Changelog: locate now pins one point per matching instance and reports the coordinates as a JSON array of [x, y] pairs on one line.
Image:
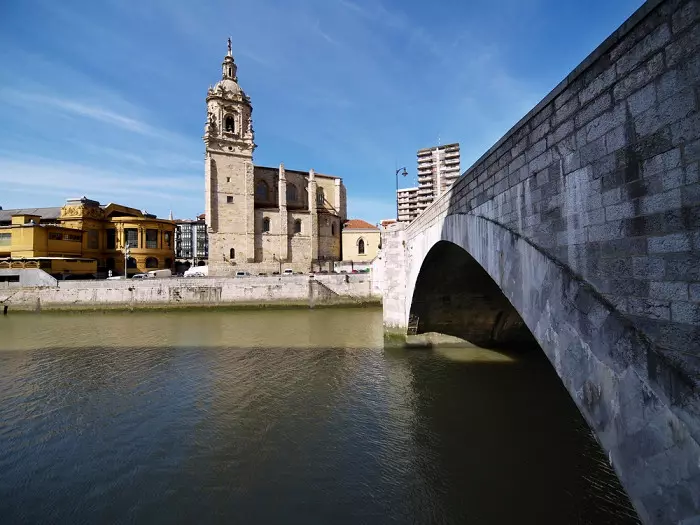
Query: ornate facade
[[262, 219], [85, 229]]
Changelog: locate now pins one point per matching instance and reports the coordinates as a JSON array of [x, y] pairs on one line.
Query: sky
[[106, 98]]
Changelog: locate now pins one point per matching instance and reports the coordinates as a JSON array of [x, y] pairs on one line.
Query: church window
[[229, 199], [320, 197], [361, 246], [262, 192], [228, 179], [266, 224], [232, 254], [151, 262], [333, 229], [292, 194], [229, 124], [297, 226]]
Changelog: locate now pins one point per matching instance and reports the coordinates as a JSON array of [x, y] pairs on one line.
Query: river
[[284, 416]]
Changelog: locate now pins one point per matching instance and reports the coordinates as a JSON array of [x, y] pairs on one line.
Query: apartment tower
[[438, 168]]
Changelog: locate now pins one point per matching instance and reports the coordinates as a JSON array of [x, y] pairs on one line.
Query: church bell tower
[[229, 179]]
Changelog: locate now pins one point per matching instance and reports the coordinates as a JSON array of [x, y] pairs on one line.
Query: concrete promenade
[[295, 290]]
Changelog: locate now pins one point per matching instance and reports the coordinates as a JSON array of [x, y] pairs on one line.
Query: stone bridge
[[579, 232]]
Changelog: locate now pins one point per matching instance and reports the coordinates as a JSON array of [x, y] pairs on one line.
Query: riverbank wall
[[296, 290]]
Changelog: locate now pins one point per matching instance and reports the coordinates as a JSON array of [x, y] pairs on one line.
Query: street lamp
[[397, 189], [127, 252]]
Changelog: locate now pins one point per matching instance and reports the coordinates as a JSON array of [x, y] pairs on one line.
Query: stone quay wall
[[204, 291]]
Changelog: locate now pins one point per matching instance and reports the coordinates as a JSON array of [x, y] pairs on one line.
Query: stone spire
[[228, 66]]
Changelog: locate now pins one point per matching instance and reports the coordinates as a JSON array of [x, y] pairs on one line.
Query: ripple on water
[[210, 416]]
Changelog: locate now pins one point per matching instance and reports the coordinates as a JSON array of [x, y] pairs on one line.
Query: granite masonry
[[586, 217]]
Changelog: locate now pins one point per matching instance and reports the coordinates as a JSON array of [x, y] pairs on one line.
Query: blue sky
[[106, 98]]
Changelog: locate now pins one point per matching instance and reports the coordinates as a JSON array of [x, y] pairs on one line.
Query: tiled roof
[[359, 224], [44, 213]]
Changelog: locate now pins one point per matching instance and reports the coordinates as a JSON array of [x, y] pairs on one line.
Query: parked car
[[262, 273], [288, 271], [139, 276], [241, 273]]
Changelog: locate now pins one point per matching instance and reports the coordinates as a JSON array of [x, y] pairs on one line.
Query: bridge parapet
[[603, 174]]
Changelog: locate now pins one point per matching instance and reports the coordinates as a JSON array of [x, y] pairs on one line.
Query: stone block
[[648, 267], [661, 163], [592, 151], [565, 129], [598, 85], [516, 163], [602, 124], [670, 290], [650, 308], [673, 179], [673, 243], [611, 197], [641, 100], [616, 212], [691, 173], [593, 109], [660, 202], [690, 195], [605, 232], [685, 16], [650, 44], [639, 77], [695, 292], [535, 150], [685, 312], [682, 267], [539, 132], [683, 47], [616, 139], [564, 111], [685, 130]]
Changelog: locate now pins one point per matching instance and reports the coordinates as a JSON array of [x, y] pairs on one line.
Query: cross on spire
[[229, 46]]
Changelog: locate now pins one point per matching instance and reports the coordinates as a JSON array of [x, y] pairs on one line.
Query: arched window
[[111, 263], [232, 254], [297, 226], [131, 262], [151, 262], [266, 224], [292, 195], [262, 192], [229, 124], [320, 197], [168, 263], [333, 228], [361, 246]]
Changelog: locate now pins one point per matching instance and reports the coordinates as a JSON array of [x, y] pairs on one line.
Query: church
[[262, 219]]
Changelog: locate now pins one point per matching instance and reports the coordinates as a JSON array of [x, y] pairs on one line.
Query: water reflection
[[283, 417]]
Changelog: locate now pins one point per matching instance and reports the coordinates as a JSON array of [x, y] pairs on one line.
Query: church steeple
[[228, 67]]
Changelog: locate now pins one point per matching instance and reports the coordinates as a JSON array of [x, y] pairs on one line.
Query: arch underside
[[454, 295], [470, 277]]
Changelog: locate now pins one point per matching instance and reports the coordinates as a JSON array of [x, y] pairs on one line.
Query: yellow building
[[85, 230], [360, 241]]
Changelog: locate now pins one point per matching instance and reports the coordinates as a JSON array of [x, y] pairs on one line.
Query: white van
[[158, 274], [197, 271], [288, 271]]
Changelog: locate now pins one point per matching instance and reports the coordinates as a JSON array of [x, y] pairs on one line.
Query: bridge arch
[[635, 399]]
